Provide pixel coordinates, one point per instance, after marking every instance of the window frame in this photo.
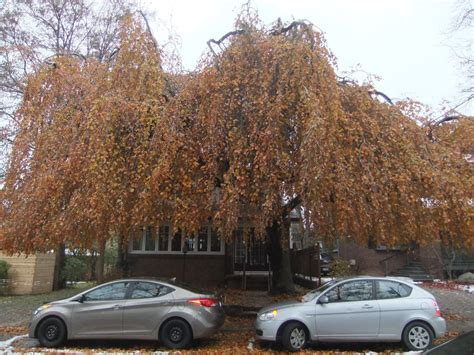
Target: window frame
(156, 234)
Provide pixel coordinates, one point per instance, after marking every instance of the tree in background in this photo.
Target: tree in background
(76, 165)
(34, 31)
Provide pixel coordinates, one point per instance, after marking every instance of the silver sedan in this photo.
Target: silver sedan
(130, 309)
(363, 309)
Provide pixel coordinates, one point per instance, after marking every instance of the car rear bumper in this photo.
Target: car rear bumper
(439, 326)
(206, 326)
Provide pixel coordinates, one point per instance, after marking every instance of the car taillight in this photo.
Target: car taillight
(206, 302)
(437, 310)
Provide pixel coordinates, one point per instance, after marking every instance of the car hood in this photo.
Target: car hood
(279, 305)
(62, 301)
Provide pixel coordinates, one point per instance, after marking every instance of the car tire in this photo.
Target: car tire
(176, 334)
(51, 332)
(294, 336)
(417, 336)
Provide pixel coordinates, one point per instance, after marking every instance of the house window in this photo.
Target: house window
(190, 243)
(149, 239)
(159, 240)
(202, 239)
(137, 242)
(176, 241)
(216, 243)
(163, 234)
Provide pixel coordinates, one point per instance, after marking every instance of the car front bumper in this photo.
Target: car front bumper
(32, 327)
(267, 330)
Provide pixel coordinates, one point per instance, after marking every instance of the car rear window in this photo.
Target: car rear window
(149, 290)
(387, 289)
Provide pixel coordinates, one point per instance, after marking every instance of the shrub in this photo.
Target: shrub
(467, 277)
(4, 266)
(340, 268)
(74, 269)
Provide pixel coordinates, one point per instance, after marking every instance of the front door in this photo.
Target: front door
(250, 254)
(352, 312)
(101, 312)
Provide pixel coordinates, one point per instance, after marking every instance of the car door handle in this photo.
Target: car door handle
(366, 306)
(116, 307)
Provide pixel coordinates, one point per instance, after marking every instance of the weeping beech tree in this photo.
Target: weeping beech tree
(77, 163)
(265, 126)
(262, 126)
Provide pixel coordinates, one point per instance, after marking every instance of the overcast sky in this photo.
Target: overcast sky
(404, 42)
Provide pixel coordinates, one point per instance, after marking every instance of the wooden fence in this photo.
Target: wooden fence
(305, 262)
(30, 275)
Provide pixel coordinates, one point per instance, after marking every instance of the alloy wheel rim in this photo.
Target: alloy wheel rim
(51, 332)
(176, 334)
(419, 337)
(297, 338)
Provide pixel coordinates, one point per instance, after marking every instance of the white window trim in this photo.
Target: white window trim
(180, 252)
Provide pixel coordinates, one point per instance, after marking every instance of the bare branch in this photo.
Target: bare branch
(148, 28)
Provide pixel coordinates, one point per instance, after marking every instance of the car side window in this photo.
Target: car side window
(115, 291)
(351, 291)
(149, 290)
(391, 289)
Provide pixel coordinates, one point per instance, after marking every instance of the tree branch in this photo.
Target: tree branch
(222, 39)
(291, 205)
(149, 29)
(379, 93)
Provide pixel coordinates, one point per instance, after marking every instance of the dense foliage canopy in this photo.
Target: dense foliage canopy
(261, 127)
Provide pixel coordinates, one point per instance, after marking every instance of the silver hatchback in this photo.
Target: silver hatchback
(130, 309)
(363, 309)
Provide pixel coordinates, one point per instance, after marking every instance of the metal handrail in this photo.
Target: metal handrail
(384, 261)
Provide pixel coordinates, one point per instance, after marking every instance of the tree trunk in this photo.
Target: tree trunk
(60, 257)
(282, 280)
(122, 260)
(99, 266)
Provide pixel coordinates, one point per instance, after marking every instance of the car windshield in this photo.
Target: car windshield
(311, 295)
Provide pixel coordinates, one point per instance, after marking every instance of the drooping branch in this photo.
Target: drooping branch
(448, 119)
(222, 39)
(306, 25)
(379, 93)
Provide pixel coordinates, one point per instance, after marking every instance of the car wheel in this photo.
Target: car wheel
(176, 334)
(294, 336)
(417, 336)
(51, 332)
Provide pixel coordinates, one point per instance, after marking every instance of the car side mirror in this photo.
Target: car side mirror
(81, 298)
(323, 300)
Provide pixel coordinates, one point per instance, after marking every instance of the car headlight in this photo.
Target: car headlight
(268, 315)
(42, 308)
